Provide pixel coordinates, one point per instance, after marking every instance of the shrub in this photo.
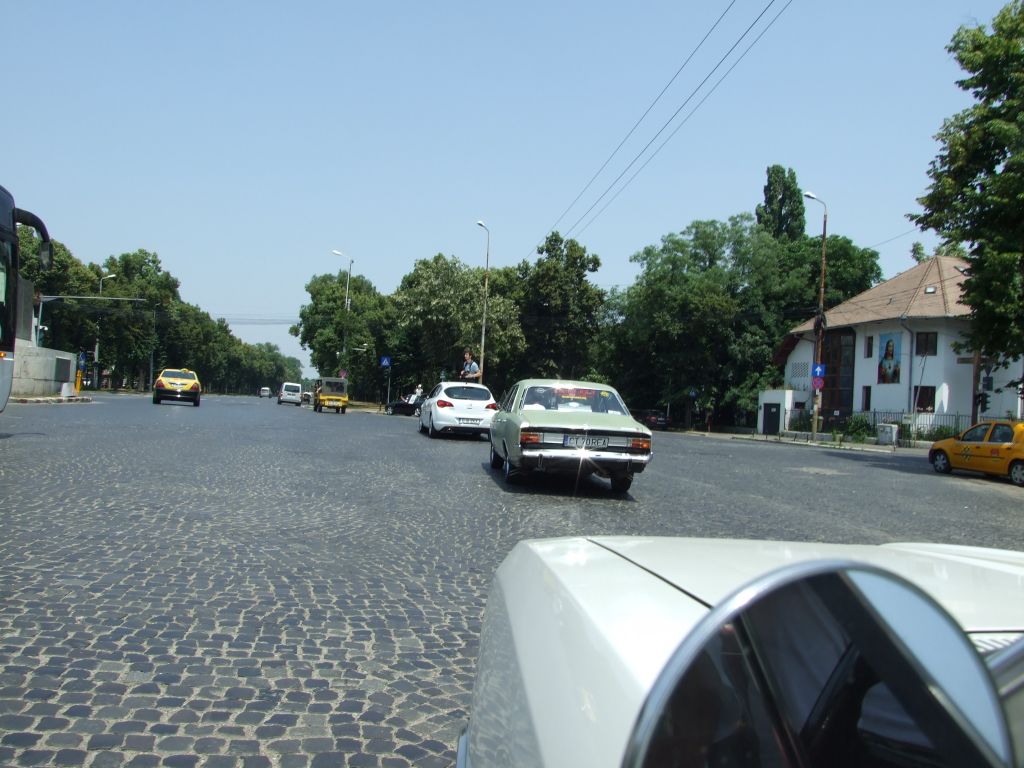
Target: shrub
(941, 432)
(800, 421)
(858, 426)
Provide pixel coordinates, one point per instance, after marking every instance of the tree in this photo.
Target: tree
(560, 309)
(977, 182)
(782, 213)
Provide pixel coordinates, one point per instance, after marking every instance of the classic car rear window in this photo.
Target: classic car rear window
(573, 399)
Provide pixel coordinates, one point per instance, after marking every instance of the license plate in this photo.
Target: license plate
(469, 421)
(584, 441)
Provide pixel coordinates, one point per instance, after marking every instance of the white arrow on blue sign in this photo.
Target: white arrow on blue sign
(385, 361)
(819, 370)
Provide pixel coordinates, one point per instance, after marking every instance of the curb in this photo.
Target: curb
(50, 400)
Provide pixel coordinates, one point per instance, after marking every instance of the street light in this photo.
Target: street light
(483, 326)
(819, 322)
(96, 351)
(344, 335)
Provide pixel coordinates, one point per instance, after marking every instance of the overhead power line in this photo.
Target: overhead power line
(643, 116)
(686, 119)
(675, 114)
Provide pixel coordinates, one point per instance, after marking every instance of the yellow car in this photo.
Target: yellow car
(995, 447)
(330, 393)
(177, 384)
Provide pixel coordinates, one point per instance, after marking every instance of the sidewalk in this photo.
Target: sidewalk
(919, 449)
(52, 400)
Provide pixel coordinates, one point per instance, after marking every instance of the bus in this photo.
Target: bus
(11, 315)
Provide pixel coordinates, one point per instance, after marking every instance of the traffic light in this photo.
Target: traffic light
(982, 399)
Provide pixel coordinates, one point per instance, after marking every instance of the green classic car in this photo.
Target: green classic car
(575, 427)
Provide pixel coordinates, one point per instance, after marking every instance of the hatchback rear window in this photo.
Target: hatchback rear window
(467, 393)
(169, 374)
(292, 388)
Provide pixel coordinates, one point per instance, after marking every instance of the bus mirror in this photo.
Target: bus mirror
(46, 254)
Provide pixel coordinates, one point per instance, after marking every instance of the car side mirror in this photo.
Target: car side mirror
(821, 664)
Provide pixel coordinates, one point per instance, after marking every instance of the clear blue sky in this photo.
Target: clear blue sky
(242, 141)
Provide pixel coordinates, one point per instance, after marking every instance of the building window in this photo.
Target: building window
(865, 398)
(924, 399)
(869, 346)
(927, 344)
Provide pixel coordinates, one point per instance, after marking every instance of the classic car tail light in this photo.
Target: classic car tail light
(492, 406)
(444, 404)
(529, 438)
(640, 444)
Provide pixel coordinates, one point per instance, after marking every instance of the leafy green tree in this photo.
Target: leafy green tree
(560, 309)
(977, 181)
(71, 323)
(782, 213)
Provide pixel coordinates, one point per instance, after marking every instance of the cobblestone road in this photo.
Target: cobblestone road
(250, 585)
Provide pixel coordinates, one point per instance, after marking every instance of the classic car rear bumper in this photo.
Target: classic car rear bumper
(562, 459)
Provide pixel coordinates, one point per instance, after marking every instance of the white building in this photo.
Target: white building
(891, 351)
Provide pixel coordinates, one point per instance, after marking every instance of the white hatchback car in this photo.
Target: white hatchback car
(455, 407)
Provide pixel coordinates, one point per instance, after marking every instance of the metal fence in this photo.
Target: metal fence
(912, 426)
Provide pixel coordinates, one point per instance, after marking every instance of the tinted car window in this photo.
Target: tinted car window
(1001, 433)
(178, 374)
(467, 393)
(975, 434)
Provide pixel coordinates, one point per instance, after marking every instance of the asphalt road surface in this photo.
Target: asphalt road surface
(245, 584)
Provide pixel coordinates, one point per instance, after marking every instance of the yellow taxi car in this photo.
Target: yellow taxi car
(995, 447)
(177, 384)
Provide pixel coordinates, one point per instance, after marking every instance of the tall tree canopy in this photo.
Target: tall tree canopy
(560, 308)
(977, 181)
(782, 213)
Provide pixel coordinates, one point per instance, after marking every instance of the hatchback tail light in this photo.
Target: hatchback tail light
(492, 406)
(444, 404)
(195, 385)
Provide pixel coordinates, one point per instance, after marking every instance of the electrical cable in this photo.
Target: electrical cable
(674, 115)
(686, 119)
(643, 116)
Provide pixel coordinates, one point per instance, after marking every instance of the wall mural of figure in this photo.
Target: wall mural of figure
(889, 359)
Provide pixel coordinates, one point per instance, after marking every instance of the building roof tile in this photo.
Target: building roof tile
(933, 288)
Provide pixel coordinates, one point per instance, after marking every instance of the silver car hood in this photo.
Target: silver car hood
(972, 583)
(577, 629)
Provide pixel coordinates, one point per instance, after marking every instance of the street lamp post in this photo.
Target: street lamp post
(483, 325)
(819, 322)
(96, 350)
(344, 335)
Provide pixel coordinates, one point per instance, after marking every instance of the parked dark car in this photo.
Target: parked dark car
(407, 406)
(652, 418)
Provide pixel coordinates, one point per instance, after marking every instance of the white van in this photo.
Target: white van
(290, 393)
